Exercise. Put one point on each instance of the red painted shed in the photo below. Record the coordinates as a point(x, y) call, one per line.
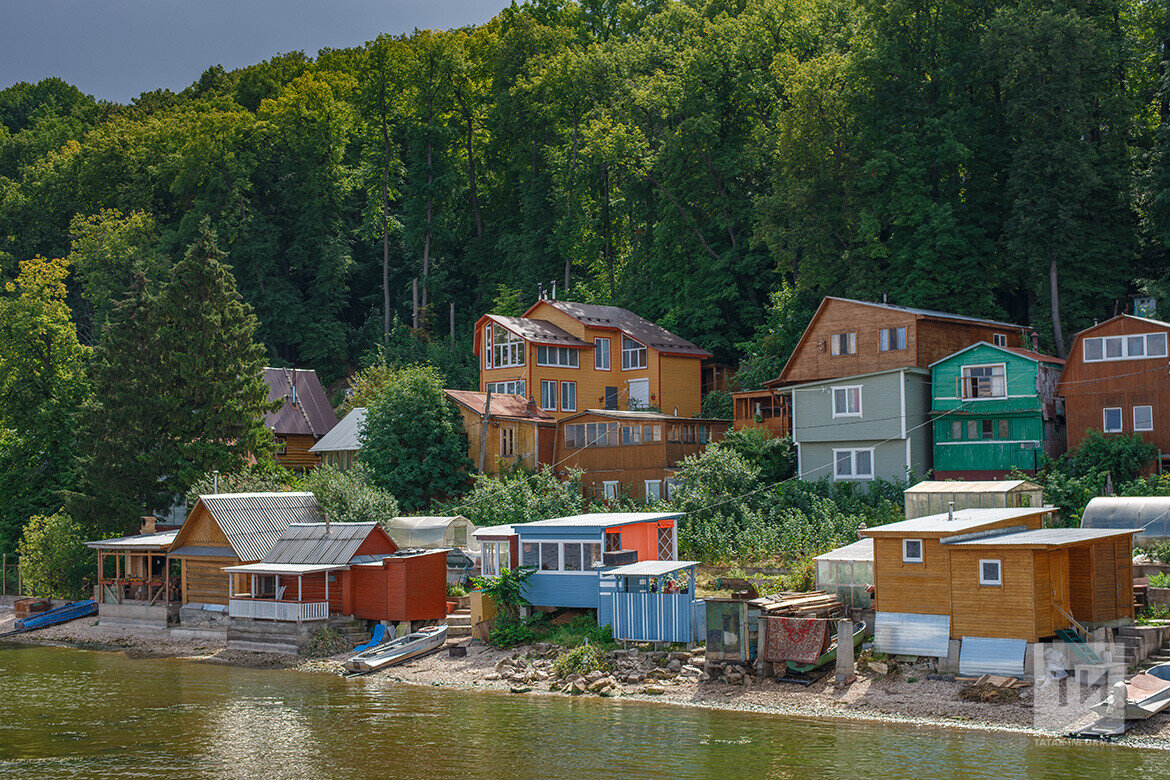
point(408, 585)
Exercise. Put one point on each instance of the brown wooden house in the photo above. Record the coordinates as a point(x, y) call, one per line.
point(518, 433)
point(228, 529)
point(1115, 380)
point(304, 416)
point(631, 453)
point(995, 573)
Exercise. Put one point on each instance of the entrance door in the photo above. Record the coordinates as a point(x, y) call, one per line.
point(639, 393)
point(611, 398)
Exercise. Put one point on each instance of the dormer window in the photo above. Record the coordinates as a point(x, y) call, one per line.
point(633, 354)
point(507, 348)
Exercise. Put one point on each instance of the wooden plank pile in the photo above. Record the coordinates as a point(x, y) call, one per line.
point(994, 681)
point(813, 604)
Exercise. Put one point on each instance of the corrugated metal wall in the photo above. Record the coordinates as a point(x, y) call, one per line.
point(981, 655)
point(905, 633)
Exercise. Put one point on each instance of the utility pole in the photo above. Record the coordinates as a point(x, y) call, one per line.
point(483, 428)
point(414, 303)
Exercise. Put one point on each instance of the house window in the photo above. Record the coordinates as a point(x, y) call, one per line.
point(548, 394)
point(1143, 418)
point(613, 541)
point(568, 396)
point(507, 442)
point(853, 464)
point(631, 434)
point(1004, 429)
point(495, 557)
point(843, 344)
point(633, 354)
point(281, 445)
point(564, 357)
point(653, 490)
point(892, 338)
point(550, 556)
point(999, 339)
point(847, 401)
point(984, 381)
point(1135, 347)
point(571, 553)
point(652, 432)
point(956, 430)
point(988, 429)
point(515, 387)
point(592, 553)
point(507, 348)
point(912, 551)
point(1111, 419)
point(574, 436)
point(990, 572)
point(601, 354)
point(972, 429)
point(609, 490)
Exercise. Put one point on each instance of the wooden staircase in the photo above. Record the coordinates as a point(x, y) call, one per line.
point(459, 624)
point(352, 629)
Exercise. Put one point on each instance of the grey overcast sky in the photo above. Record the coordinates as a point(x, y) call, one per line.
point(118, 49)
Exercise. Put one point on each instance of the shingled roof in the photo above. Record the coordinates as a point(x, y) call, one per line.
point(306, 410)
point(639, 328)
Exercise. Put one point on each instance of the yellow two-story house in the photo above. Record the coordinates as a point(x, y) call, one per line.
point(570, 357)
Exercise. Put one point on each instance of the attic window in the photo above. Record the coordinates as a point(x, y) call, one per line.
point(843, 344)
point(990, 573)
point(912, 551)
point(633, 354)
point(1000, 339)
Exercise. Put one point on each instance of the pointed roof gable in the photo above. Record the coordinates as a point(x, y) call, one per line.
point(639, 328)
point(306, 410)
point(252, 522)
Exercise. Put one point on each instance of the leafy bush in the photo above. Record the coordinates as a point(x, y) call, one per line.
point(455, 590)
point(54, 561)
point(802, 577)
point(775, 457)
point(522, 497)
point(582, 629)
point(507, 591)
point(324, 642)
point(1160, 552)
point(349, 496)
point(261, 478)
point(582, 659)
point(509, 631)
point(717, 405)
point(1123, 456)
point(1160, 580)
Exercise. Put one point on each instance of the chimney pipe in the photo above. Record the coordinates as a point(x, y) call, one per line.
point(950, 510)
point(1035, 341)
point(554, 291)
point(215, 481)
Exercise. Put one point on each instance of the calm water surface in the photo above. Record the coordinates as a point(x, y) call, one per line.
point(86, 714)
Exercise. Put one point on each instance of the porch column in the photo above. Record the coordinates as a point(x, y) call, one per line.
point(299, 607)
point(327, 594)
point(167, 579)
point(230, 594)
point(101, 588)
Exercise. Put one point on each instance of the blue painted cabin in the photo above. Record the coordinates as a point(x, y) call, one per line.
point(652, 601)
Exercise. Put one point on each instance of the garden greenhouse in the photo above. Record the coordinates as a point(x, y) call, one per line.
point(935, 498)
point(1151, 514)
point(847, 572)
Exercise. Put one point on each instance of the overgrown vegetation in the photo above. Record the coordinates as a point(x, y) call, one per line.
point(583, 659)
point(324, 642)
point(54, 561)
point(522, 497)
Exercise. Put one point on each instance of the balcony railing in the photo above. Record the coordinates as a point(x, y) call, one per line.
point(270, 609)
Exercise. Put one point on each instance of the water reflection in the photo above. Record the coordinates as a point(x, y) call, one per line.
point(71, 713)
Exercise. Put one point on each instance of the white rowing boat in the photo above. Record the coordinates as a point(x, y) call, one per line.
point(1146, 694)
point(398, 650)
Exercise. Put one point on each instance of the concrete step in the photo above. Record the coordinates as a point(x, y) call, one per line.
point(458, 632)
point(459, 620)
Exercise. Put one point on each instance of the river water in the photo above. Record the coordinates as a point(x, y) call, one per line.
point(91, 714)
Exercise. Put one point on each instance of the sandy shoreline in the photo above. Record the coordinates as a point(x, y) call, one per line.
point(892, 699)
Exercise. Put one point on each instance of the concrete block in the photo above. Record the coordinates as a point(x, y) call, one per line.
point(950, 664)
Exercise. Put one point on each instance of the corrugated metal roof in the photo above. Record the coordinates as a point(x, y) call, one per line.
point(649, 333)
point(345, 436)
point(934, 314)
point(306, 409)
point(1149, 513)
point(507, 405)
point(904, 633)
point(318, 544)
point(650, 568)
point(962, 520)
point(983, 655)
point(1043, 537)
point(493, 531)
point(858, 551)
point(159, 539)
point(540, 331)
point(281, 568)
point(253, 522)
point(959, 486)
point(599, 520)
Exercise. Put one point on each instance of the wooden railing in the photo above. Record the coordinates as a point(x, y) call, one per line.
point(270, 609)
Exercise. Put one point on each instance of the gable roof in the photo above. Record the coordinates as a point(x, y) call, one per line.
point(504, 405)
point(318, 544)
point(537, 331)
point(345, 435)
point(306, 410)
point(1147, 320)
point(925, 313)
point(639, 328)
point(1043, 537)
point(1035, 357)
point(252, 522)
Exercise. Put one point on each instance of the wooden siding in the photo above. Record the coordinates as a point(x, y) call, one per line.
point(369, 592)
point(1089, 388)
point(526, 447)
point(296, 453)
point(204, 581)
point(417, 587)
point(1006, 611)
point(312, 588)
point(919, 588)
point(927, 340)
point(775, 411)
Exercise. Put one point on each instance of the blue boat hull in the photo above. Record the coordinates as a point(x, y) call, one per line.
point(63, 614)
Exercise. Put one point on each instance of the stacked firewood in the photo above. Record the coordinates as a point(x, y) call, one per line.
point(813, 604)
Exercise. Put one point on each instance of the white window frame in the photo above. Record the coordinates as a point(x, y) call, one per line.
point(502, 349)
point(999, 339)
point(570, 404)
point(850, 339)
point(1146, 353)
point(998, 571)
point(1135, 418)
point(512, 387)
point(1105, 419)
point(548, 394)
point(907, 557)
point(845, 388)
point(557, 357)
point(964, 377)
point(601, 354)
point(609, 490)
point(646, 489)
point(640, 352)
point(853, 463)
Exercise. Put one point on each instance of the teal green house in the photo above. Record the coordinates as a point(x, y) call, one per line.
point(994, 409)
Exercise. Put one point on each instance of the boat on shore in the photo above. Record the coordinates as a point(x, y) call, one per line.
point(1146, 694)
point(398, 650)
point(52, 617)
point(829, 655)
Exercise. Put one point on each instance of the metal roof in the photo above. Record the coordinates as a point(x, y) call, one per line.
point(599, 520)
point(858, 551)
point(909, 633)
point(958, 486)
point(539, 331)
point(1151, 514)
point(650, 568)
point(306, 409)
point(507, 405)
point(253, 522)
point(494, 530)
point(933, 314)
point(1035, 357)
point(640, 328)
point(282, 568)
point(319, 544)
point(1043, 537)
point(157, 540)
point(962, 520)
point(345, 436)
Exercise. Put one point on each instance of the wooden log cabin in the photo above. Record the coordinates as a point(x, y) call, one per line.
point(229, 529)
point(305, 415)
point(1115, 381)
point(995, 573)
point(519, 435)
point(631, 453)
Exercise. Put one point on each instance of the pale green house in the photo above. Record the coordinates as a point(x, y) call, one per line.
point(863, 427)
